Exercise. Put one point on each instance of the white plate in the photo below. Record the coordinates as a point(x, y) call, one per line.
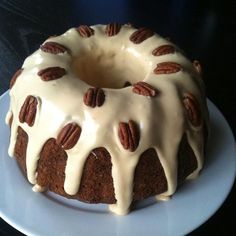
point(48, 214)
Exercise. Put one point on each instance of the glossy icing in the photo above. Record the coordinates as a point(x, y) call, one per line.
point(161, 119)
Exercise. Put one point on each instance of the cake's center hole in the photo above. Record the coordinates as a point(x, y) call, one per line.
point(110, 69)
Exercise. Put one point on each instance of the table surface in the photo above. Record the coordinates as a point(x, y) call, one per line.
point(205, 30)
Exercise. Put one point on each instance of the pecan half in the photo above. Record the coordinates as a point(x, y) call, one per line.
point(14, 77)
point(144, 89)
point(69, 136)
point(94, 97)
point(53, 47)
point(163, 50)
point(129, 135)
point(85, 31)
point(192, 109)
point(197, 66)
point(51, 73)
point(28, 110)
point(167, 68)
point(112, 29)
point(140, 35)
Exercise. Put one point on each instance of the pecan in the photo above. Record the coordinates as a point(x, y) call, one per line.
point(144, 89)
point(192, 109)
point(53, 47)
point(51, 73)
point(28, 110)
point(167, 68)
point(197, 66)
point(14, 77)
point(129, 135)
point(140, 35)
point(68, 136)
point(94, 97)
point(163, 50)
point(85, 31)
point(112, 29)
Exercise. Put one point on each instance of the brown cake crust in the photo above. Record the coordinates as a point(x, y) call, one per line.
point(21, 147)
point(149, 177)
point(96, 183)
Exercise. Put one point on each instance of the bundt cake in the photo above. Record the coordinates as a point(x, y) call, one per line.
point(108, 114)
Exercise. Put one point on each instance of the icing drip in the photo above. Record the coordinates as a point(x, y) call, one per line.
point(12, 138)
point(38, 188)
point(162, 198)
point(8, 117)
point(74, 169)
point(123, 179)
point(61, 102)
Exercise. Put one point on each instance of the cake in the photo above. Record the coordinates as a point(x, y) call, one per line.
point(108, 114)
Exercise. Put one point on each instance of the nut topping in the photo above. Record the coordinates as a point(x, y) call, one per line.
point(167, 68)
point(140, 35)
point(129, 135)
point(14, 77)
point(69, 136)
point(53, 47)
point(163, 50)
point(85, 31)
point(28, 110)
point(144, 89)
point(192, 109)
point(112, 29)
point(51, 73)
point(94, 97)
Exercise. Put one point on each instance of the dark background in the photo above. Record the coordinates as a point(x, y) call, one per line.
point(205, 30)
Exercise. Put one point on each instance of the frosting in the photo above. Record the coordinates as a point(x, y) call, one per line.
point(108, 62)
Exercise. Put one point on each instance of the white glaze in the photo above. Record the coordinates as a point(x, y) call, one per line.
point(37, 188)
point(162, 198)
point(162, 120)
